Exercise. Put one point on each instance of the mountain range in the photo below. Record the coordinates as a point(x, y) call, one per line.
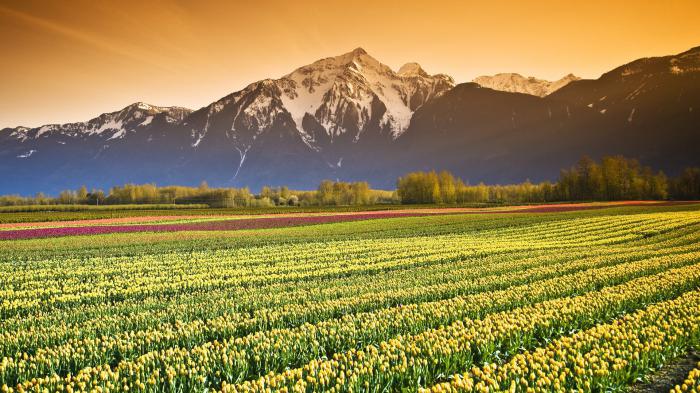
point(351, 117)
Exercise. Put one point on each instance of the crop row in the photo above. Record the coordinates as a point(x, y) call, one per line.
point(274, 316)
point(84, 352)
point(289, 256)
point(606, 357)
point(242, 358)
point(137, 286)
point(415, 360)
point(309, 303)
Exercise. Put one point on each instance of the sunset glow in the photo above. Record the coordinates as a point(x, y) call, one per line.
point(67, 61)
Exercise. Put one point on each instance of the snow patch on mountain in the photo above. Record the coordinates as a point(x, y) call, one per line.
point(112, 124)
point(213, 109)
point(44, 129)
point(27, 154)
point(261, 111)
point(20, 133)
point(146, 122)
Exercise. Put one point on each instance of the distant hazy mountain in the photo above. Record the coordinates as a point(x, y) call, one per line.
point(516, 83)
point(351, 117)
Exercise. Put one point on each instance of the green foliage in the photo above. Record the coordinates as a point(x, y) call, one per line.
point(687, 185)
point(328, 194)
point(615, 178)
point(419, 187)
point(444, 188)
point(341, 193)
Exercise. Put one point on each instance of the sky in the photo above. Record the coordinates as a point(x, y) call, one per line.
point(71, 60)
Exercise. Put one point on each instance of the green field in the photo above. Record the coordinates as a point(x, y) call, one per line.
point(591, 300)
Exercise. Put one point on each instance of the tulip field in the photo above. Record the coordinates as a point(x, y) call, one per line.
point(546, 300)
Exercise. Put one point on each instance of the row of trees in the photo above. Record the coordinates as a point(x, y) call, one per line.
point(444, 188)
point(614, 178)
point(146, 194)
point(687, 185)
point(328, 193)
point(358, 193)
point(215, 197)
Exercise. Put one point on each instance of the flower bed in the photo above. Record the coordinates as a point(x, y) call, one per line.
point(223, 225)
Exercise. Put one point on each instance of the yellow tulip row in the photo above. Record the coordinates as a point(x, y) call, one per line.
point(75, 291)
point(138, 267)
point(138, 287)
point(80, 353)
point(228, 360)
point(404, 287)
point(235, 314)
point(603, 358)
point(288, 255)
point(416, 286)
point(431, 282)
point(139, 302)
point(405, 362)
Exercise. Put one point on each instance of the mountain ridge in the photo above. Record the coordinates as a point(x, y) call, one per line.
point(109, 121)
point(352, 117)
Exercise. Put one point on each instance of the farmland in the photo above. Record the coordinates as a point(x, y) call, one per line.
point(586, 297)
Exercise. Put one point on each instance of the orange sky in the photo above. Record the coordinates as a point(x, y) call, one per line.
point(72, 60)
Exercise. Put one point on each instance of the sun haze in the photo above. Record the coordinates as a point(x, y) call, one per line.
point(70, 61)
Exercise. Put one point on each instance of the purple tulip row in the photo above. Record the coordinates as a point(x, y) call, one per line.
point(224, 225)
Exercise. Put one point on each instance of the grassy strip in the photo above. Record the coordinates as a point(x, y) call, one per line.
point(38, 213)
point(94, 208)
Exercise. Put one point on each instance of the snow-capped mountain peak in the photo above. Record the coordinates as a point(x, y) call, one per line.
point(332, 101)
point(334, 97)
point(336, 91)
point(339, 93)
point(412, 69)
point(516, 83)
point(173, 114)
point(342, 118)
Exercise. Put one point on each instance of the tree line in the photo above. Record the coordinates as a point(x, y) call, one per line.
point(328, 193)
point(613, 178)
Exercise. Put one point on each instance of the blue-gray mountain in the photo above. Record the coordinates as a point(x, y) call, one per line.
point(352, 118)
